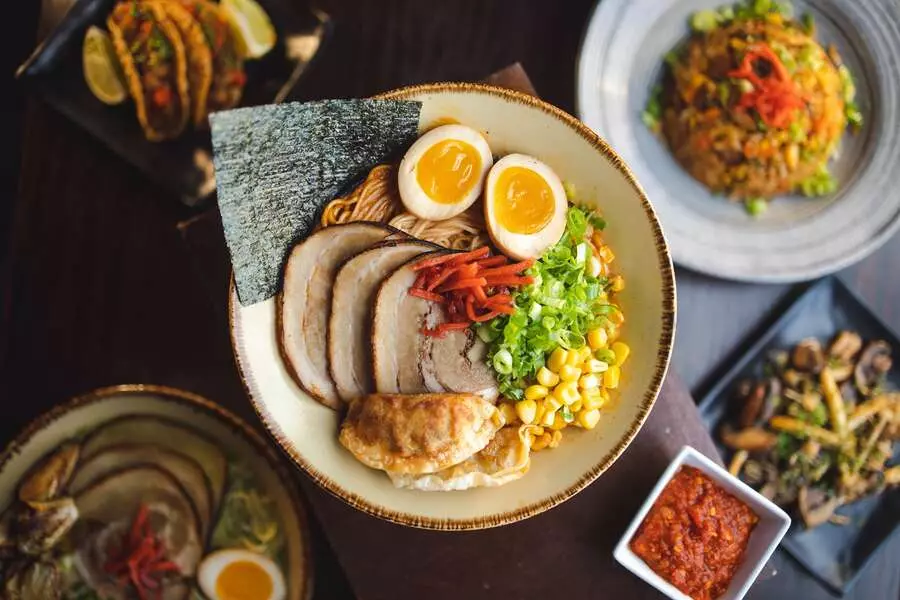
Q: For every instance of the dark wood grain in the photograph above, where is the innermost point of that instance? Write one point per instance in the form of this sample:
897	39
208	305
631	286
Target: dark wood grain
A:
101	288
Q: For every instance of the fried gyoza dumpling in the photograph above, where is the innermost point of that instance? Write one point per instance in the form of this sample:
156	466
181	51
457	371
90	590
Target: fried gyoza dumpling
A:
506	458
420	433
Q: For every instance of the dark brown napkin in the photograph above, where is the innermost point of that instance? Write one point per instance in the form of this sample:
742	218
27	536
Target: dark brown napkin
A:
563	553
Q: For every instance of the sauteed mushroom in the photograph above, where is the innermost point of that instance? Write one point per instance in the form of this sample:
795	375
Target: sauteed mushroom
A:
873	363
808	356
820	433
816	507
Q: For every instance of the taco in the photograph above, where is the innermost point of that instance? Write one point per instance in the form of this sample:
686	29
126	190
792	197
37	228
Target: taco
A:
228	59
199	57
152	56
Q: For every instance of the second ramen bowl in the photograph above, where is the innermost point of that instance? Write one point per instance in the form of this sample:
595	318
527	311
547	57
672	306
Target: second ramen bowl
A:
512	122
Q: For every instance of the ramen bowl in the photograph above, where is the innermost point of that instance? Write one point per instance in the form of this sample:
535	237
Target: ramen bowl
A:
512	122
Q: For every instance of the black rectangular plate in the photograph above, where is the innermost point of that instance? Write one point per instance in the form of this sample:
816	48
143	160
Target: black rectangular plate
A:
182	165
835	555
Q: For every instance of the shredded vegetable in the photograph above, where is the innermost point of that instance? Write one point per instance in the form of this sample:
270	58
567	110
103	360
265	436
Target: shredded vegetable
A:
558	309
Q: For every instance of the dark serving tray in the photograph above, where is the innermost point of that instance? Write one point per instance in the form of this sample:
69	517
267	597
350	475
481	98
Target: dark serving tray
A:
836	555
183	165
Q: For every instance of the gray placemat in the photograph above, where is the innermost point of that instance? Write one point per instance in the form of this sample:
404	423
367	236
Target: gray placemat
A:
278	165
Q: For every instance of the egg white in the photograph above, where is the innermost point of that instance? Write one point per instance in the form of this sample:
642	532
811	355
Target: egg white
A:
414	198
212	565
522	246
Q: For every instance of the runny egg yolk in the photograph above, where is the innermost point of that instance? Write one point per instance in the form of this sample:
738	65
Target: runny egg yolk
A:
523	200
243	580
448	171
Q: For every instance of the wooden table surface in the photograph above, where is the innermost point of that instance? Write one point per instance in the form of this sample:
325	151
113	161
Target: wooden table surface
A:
99	287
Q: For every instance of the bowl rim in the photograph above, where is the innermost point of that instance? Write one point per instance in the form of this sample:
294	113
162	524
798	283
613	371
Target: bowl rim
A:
631	561
665	343
184	398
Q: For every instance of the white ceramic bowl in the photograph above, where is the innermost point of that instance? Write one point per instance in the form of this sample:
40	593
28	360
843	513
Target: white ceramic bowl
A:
512	122
773	524
87	412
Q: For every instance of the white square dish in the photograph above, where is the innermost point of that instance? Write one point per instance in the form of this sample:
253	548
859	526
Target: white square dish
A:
773	524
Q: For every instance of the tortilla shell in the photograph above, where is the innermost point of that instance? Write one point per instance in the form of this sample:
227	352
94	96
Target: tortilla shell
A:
199	57
135	87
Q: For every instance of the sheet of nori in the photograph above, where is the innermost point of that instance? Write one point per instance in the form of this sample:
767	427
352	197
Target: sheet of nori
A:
278	165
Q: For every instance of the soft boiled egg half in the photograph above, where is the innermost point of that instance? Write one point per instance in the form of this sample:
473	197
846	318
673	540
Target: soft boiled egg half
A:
524	206
442	173
240	575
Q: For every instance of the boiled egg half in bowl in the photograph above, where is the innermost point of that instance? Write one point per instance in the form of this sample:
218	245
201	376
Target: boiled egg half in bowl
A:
442	173
237	574
524	206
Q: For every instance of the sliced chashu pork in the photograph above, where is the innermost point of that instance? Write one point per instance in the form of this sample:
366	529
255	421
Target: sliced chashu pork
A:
107	510
185	470
350	325
405	361
305	301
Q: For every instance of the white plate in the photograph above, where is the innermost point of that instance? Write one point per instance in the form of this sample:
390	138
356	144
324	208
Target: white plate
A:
512	122
797	238
773	524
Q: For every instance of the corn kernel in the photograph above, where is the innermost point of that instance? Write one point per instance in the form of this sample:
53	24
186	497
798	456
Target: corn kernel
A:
549	418
592	365
588	381
509	412
536	392
558	422
557	359
597	240
606	254
611	377
577	405
573	359
569	373
555	439
622	351
546	377
617	317
526	411
542	442
552	403
612	330
566	392
591	399
617	284
584	353
597	338
536	430
589	418
539	414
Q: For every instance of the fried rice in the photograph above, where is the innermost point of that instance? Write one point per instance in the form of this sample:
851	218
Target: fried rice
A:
754	108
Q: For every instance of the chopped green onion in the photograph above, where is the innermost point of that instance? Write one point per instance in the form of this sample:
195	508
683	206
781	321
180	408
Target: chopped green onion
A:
596	221
671	57
762	8
724	91
809	23
570	303
503	362
755	206
796	132
605	355
726	13
570	190
581	253
704	21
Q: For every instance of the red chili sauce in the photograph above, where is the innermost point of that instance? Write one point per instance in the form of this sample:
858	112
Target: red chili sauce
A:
695	534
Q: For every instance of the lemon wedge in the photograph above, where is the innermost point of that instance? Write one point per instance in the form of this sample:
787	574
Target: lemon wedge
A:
252	24
101	69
